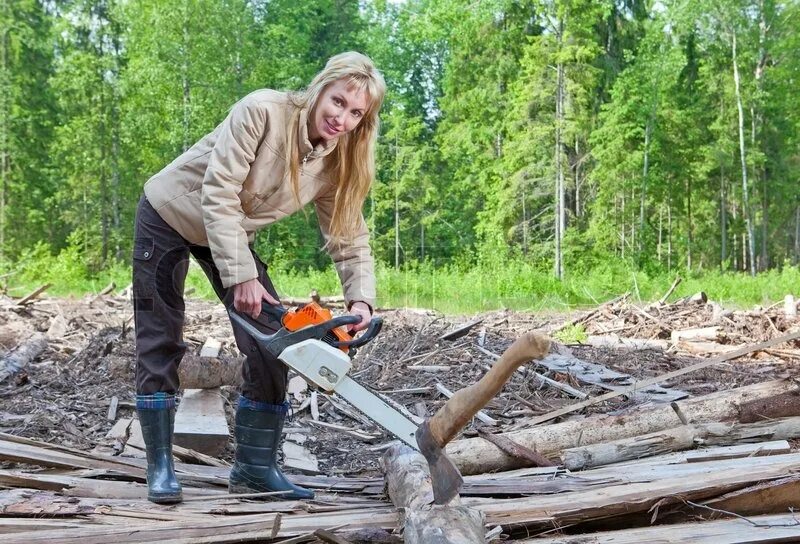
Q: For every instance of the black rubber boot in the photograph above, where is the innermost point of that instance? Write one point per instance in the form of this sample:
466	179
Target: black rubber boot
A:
157	417
258	436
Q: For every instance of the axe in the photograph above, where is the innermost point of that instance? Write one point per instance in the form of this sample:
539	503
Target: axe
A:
436	432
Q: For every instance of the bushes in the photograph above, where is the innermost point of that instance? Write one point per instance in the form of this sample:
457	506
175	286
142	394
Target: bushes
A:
488	280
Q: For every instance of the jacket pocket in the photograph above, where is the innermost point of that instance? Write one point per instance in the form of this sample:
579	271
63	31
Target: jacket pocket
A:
143	249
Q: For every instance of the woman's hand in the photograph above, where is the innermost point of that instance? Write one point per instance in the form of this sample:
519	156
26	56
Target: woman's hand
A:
247	297
361	310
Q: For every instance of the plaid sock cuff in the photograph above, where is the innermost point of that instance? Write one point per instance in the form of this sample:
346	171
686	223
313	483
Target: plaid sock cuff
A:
258	406
157	401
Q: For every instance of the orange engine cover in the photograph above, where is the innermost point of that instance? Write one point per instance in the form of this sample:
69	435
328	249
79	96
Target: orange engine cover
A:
314	314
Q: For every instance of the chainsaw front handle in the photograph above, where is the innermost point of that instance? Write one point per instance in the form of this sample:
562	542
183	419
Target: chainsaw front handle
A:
277	342
375	325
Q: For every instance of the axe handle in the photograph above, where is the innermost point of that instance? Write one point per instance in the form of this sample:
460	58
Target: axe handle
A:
457	411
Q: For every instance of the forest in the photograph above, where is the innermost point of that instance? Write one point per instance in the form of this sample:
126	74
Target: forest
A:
555	138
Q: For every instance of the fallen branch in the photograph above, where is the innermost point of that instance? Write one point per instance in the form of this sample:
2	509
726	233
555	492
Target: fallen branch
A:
664	377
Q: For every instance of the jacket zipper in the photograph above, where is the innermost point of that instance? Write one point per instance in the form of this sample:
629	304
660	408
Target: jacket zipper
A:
305	159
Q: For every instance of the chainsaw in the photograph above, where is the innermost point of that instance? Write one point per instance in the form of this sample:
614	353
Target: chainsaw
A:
318	347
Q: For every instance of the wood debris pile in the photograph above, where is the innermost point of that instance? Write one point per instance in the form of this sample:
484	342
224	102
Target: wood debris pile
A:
603	436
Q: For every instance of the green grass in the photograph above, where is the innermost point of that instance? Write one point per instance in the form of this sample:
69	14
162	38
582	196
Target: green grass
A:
455	289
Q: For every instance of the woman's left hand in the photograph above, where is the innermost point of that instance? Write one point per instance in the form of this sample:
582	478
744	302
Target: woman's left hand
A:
361	310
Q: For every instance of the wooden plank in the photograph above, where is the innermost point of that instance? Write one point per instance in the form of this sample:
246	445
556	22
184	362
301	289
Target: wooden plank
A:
664	377
211	348
200	422
759	530
703	455
135	447
664	487
776	447
300	458
216	530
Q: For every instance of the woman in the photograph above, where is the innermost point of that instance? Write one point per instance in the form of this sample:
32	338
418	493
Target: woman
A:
274	153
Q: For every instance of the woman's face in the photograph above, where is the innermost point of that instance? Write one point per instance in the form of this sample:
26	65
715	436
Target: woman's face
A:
339	110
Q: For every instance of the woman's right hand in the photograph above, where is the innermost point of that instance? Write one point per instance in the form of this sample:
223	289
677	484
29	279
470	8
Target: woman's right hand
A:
247	297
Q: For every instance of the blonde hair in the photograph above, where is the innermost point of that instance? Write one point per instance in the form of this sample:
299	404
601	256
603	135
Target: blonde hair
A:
353	161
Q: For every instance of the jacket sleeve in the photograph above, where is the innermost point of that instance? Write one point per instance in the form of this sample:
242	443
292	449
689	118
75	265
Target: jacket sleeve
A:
228	165
353	261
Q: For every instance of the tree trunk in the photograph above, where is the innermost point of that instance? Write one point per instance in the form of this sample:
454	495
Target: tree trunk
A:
643	194
5	98
560	212
751	249
478	456
690	233
578	160
396	203
723	219
669	228
758	125
796	258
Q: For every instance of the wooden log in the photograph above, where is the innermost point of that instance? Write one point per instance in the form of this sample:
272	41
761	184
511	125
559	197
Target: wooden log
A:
196	372
200	422
617	342
691	335
680	438
672	287
477	456
779	405
409	486
665	485
23	354
756	530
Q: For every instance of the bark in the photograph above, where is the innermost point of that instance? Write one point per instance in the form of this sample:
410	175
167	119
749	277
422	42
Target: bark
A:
197	372
477	456
19	358
408	483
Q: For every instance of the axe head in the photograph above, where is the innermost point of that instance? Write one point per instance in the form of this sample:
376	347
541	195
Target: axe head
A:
445	477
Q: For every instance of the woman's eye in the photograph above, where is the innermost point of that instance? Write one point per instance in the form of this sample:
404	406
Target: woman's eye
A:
337	101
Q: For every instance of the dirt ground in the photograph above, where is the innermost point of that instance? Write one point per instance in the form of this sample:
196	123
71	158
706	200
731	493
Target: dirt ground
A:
63	395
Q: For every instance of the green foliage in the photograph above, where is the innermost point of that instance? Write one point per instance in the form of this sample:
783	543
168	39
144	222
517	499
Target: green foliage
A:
98	95
572	334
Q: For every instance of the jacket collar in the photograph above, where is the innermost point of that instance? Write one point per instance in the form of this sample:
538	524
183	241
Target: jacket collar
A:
322	149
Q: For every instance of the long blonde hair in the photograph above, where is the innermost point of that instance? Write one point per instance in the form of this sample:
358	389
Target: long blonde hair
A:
353	161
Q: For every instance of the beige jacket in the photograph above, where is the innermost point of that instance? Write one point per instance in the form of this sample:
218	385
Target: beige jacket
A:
232	183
